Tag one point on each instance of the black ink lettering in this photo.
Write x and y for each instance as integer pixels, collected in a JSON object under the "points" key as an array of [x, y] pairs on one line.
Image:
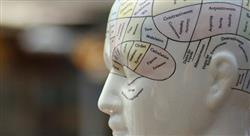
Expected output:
{"points": [[158, 53], [238, 81], [181, 27], [143, 7], [229, 20], [221, 21], [177, 15], [205, 53], [158, 66], [140, 45], [154, 38], [125, 48], [122, 30], [199, 57], [139, 57], [133, 55], [135, 29], [198, 46], [248, 84], [246, 27], [211, 23], [130, 29], [171, 25], [151, 61], [187, 25], [222, 8], [148, 29]]}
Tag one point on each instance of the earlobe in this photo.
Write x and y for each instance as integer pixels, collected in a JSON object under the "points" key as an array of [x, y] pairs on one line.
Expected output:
{"points": [[224, 69]]}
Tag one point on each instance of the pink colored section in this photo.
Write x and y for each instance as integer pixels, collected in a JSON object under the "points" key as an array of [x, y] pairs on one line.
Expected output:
{"points": [[178, 24], [217, 18], [157, 64]]}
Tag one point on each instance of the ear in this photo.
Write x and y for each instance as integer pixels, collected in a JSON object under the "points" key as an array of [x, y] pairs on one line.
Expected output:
{"points": [[224, 69]]}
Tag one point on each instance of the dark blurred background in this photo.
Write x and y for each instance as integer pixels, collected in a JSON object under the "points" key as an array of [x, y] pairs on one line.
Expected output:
{"points": [[51, 67]]}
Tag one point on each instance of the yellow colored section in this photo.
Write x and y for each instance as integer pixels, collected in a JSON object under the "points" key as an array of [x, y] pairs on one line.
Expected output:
{"points": [[161, 6], [125, 50], [118, 68], [127, 8], [134, 29], [136, 54]]}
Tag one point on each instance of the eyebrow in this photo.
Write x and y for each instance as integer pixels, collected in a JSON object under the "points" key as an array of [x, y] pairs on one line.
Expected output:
{"points": [[134, 80]]}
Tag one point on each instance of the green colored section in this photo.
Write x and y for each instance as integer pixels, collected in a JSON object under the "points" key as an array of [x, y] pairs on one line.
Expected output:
{"points": [[244, 24]]}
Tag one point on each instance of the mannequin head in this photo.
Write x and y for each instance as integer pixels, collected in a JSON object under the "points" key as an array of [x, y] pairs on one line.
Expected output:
{"points": [[177, 68]]}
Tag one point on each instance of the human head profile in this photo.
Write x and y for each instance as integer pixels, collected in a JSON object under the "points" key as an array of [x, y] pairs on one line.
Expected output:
{"points": [[178, 67]]}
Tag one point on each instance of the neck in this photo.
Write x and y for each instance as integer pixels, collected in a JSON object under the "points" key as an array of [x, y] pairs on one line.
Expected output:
{"points": [[233, 118]]}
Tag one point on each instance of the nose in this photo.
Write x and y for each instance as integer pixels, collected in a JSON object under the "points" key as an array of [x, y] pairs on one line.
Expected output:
{"points": [[110, 100]]}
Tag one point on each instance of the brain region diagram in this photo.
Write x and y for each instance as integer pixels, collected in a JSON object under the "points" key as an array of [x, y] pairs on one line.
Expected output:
{"points": [[142, 33]]}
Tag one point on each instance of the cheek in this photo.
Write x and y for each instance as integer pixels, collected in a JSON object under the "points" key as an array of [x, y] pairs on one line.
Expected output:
{"points": [[138, 113], [139, 117], [179, 107], [154, 111]]}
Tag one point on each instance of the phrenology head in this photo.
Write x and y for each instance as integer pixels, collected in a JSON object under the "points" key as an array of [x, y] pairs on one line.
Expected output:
{"points": [[176, 66]]}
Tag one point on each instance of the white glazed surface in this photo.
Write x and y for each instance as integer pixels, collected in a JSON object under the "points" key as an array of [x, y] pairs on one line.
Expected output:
{"points": [[178, 68]]}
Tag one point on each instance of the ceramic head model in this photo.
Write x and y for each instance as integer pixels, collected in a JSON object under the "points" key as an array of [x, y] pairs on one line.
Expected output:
{"points": [[178, 67]]}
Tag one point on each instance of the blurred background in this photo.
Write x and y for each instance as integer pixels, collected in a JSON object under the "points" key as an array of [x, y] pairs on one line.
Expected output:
{"points": [[51, 67]]}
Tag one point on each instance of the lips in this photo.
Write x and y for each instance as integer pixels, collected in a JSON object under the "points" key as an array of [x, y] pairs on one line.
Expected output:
{"points": [[117, 125]]}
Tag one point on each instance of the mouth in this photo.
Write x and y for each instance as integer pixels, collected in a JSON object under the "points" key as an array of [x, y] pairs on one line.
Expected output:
{"points": [[117, 125]]}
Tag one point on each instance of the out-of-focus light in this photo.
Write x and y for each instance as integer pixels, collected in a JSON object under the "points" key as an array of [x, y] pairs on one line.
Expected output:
{"points": [[87, 55], [47, 39], [20, 13]]}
